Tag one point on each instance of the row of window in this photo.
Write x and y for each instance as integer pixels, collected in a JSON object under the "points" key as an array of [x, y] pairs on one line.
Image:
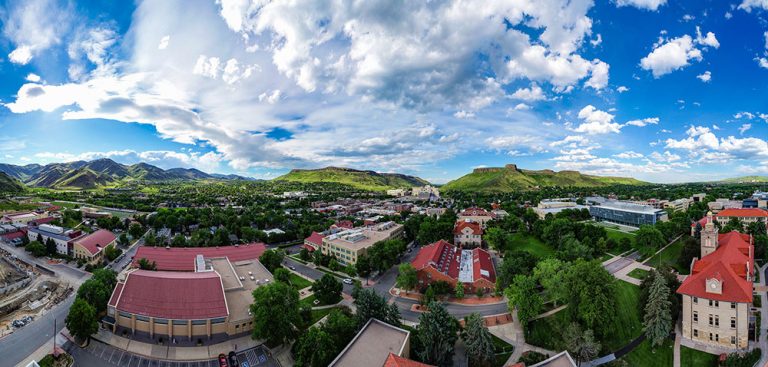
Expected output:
{"points": [[175, 322], [713, 303], [713, 337], [714, 320]]}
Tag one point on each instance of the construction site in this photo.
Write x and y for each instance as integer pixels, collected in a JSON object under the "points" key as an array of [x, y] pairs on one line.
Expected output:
{"points": [[26, 292]]}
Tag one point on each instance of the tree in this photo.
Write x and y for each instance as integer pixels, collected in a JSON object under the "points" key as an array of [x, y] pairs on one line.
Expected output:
{"points": [[107, 277], [282, 275], [36, 248], [316, 348], [436, 335], [81, 320], [690, 250], [363, 266], [95, 293], [272, 259], [550, 273], [341, 326], [327, 289], [459, 291], [523, 295], [496, 238], [371, 305], [135, 230], [275, 311], [658, 320], [649, 239], [580, 344], [592, 294], [111, 252], [515, 262], [50, 246], [123, 239], [478, 340], [406, 277], [756, 228], [734, 224], [304, 254], [145, 264]]}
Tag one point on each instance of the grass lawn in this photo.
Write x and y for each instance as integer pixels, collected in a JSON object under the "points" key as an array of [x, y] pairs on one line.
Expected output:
{"points": [[638, 273], [547, 332], [692, 357], [669, 257], [502, 350], [645, 356], [299, 282], [618, 235], [319, 314], [522, 242]]}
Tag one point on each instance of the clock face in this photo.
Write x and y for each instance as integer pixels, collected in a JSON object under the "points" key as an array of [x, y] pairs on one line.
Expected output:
{"points": [[713, 286]]}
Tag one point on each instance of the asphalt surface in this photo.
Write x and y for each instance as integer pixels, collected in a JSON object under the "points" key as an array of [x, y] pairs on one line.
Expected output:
{"points": [[21, 343]]}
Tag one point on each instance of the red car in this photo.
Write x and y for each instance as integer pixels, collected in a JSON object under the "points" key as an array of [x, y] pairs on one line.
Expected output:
{"points": [[223, 360]]}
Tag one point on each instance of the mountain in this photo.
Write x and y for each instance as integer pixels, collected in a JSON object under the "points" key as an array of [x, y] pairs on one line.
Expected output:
{"points": [[366, 180], [99, 172], [511, 178], [9, 184], [745, 179]]}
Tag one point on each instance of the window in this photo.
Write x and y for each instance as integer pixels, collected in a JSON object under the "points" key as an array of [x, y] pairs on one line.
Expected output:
{"points": [[710, 303], [199, 322], [733, 340], [696, 300], [142, 318], [161, 321], [695, 316], [733, 322], [717, 321], [711, 337], [717, 304], [695, 333], [717, 337], [711, 320], [180, 322], [733, 305]]}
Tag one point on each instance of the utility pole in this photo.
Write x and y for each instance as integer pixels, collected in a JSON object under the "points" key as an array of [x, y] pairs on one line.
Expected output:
{"points": [[54, 337]]}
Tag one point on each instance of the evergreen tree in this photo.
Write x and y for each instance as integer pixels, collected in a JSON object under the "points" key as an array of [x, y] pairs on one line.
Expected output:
{"points": [[459, 291], [658, 320], [582, 345], [478, 340], [371, 305], [437, 335]]}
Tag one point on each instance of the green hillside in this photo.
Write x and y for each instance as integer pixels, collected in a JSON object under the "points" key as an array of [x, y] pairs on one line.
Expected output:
{"points": [[510, 178], [8, 184], [364, 180], [745, 179]]}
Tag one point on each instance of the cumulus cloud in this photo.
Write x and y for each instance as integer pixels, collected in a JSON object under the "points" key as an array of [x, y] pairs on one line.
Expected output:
{"points": [[705, 77], [164, 43], [32, 77], [669, 55], [628, 155], [643, 122], [33, 26], [748, 5], [652, 5], [622, 89], [534, 93], [703, 145], [596, 122], [744, 128]]}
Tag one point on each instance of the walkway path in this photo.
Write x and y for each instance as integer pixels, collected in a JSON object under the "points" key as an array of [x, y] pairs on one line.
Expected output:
{"points": [[676, 351], [550, 312], [167, 352], [620, 267], [513, 334]]}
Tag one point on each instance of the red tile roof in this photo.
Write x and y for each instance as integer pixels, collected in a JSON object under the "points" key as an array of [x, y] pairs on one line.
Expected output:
{"points": [[315, 239], [475, 212], [308, 247], [172, 295], [115, 294], [446, 258], [397, 361], [40, 221], [183, 258], [14, 235], [345, 224], [437, 254], [482, 261], [96, 241], [743, 212], [460, 225], [729, 264]]}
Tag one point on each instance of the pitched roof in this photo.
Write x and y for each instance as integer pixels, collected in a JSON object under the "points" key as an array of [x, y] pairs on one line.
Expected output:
{"points": [[315, 239], [96, 241], [394, 360], [183, 258], [743, 212], [447, 259], [475, 212], [172, 295], [434, 254], [729, 263], [462, 224], [483, 265]]}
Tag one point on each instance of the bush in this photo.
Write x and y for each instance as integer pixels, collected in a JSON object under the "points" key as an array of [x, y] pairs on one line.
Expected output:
{"points": [[743, 359], [531, 358]]}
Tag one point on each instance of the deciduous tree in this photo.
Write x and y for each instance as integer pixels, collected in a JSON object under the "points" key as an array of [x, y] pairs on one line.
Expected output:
{"points": [[275, 311]]}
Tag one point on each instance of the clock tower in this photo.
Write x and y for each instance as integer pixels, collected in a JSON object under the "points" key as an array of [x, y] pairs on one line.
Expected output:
{"points": [[709, 236]]}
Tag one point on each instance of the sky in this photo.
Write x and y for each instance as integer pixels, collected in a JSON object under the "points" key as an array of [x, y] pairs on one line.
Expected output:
{"points": [[664, 91]]}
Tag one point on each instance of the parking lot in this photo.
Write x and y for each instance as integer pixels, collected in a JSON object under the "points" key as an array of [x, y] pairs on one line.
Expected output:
{"points": [[100, 354]]}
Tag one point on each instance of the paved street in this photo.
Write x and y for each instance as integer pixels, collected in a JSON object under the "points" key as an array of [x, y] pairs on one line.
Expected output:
{"points": [[21, 343]]}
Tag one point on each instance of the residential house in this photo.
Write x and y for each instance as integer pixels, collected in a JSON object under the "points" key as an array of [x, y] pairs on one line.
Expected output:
{"points": [[90, 247]]}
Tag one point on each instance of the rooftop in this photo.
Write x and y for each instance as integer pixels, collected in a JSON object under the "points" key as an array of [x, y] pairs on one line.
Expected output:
{"points": [[372, 345], [183, 258], [363, 237], [96, 241]]}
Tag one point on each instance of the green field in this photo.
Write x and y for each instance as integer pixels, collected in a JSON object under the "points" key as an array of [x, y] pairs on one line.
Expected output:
{"points": [[617, 235], [646, 356], [522, 242], [694, 358], [669, 257], [299, 282], [638, 273], [502, 351], [547, 332]]}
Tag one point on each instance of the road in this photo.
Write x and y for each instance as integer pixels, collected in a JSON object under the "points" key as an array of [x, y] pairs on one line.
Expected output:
{"points": [[21, 343]]}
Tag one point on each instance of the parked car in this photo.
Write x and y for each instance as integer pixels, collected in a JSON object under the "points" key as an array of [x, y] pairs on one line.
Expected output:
{"points": [[233, 362], [223, 360], [292, 267], [347, 281]]}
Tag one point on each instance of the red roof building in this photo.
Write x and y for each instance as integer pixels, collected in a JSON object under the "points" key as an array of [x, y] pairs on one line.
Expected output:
{"points": [[346, 224], [467, 233], [313, 242], [444, 261], [745, 215], [183, 258], [171, 295], [393, 360], [90, 245], [478, 215]]}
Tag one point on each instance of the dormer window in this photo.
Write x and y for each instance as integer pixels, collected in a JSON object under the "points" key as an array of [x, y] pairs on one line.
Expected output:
{"points": [[714, 286]]}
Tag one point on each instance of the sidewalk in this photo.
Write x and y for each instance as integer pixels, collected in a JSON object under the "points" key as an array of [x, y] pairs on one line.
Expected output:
{"points": [[174, 353], [44, 350]]}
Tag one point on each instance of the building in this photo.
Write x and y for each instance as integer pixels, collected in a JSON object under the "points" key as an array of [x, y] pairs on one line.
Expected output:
{"points": [[397, 192], [720, 204], [718, 294], [313, 242], [467, 234], [348, 245], [90, 247], [435, 212], [61, 236], [378, 344], [553, 207], [22, 218], [426, 192], [678, 205], [196, 293], [745, 215], [624, 213], [444, 261], [562, 359], [478, 215]]}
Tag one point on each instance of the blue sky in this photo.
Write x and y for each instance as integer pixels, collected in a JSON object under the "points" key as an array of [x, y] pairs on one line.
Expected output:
{"points": [[659, 90]]}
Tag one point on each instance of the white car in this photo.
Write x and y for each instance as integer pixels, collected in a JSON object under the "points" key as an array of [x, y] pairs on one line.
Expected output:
{"points": [[347, 281]]}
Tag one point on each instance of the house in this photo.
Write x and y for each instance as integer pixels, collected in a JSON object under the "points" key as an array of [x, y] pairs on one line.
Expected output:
{"points": [[22, 218], [60, 236], [313, 242], [467, 234], [90, 247], [444, 261], [378, 344], [717, 296], [478, 215]]}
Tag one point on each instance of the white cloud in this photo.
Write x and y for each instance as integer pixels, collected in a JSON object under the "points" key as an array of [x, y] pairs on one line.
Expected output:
{"points": [[708, 40], [706, 77], [271, 98], [534, 93], [652, 5], [34, 26], [666, 157], [628, 155], [597, 41], [596, 122], [522, 107], [744, 114], [164, 42], [463, 115], [744, 128], [643, 122], [688, 17], [748, 5], [32, 77], [671, 55], [599, 78], [21, 55], [622, 89]]}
